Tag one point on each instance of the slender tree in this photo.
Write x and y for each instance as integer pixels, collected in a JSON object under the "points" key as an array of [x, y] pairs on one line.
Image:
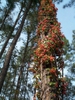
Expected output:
{"points": [[10, 50], [10, 35], [20, 88]]}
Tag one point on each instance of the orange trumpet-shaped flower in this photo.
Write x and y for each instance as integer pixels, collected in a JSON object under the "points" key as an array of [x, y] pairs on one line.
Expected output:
{"points": [[52, 70], [52, 58]]}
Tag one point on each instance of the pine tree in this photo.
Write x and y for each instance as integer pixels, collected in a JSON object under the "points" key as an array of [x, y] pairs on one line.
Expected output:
{"points": [[16, 84], [10, 50]]}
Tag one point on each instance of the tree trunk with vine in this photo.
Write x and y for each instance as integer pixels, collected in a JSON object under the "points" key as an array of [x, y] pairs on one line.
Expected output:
{"points": [[48, 61]]}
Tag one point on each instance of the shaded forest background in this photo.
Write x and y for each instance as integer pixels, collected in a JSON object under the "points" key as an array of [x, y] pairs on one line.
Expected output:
{"points": [[18, 23]]}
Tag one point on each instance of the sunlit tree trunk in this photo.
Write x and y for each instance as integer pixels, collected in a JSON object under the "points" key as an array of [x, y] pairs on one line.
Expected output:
{"points": [[45, 93]]}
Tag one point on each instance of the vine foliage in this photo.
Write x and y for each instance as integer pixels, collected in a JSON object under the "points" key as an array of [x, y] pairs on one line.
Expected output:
{"points": [[48, 55]]}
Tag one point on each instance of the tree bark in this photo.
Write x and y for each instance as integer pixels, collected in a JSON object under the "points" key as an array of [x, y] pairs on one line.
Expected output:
{"points": [[45, 88], [12, 46]]}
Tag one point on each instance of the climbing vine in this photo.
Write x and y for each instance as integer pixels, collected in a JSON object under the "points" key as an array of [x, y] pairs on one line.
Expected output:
{"points": [[48, 52]]}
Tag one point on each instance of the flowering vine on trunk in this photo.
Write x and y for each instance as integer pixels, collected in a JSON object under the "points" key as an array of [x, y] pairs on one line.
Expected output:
{"points": [[49, 82]]}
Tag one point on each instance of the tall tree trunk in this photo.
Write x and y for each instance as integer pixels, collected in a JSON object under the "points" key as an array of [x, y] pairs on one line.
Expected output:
{"points": [[48, 63], [21, 69], [11, 48], [45, 89], [10, 34]]}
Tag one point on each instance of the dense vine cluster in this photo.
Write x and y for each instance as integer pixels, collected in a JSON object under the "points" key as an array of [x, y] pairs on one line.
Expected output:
{"points": [[49, 50]]}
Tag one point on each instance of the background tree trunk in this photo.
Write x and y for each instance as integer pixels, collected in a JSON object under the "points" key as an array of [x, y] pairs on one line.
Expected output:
{"points": [[21, 69], [10, 35], [9, 53]]}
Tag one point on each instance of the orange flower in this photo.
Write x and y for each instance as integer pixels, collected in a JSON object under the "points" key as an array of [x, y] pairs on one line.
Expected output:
{"points": [[53, 70], [52, 58], [45, 58]]}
